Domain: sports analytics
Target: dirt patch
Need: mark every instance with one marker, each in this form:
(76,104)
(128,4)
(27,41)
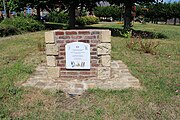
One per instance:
(69,103)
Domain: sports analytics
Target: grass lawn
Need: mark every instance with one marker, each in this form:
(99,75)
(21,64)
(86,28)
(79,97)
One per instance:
(158,74)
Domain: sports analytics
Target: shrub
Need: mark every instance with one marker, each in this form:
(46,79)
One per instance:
(24,24)
(6,30)
(58,17)
(108,11)
(87,20)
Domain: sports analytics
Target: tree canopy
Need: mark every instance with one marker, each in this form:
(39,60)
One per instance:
(109,11)
(128,8)
(71,5)
(160,11)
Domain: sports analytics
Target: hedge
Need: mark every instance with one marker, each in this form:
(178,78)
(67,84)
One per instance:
(24,24)
(17,25)
(87,20)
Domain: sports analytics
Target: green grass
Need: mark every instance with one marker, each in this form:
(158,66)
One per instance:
(19,56)
(108,25)
(158,75)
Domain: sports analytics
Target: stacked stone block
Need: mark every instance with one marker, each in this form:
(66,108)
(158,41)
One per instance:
(100,45)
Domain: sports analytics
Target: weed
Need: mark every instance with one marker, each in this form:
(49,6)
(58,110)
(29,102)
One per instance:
(147,46)
(126,33)
(132,44)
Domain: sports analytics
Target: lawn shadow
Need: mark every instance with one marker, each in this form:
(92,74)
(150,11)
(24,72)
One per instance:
(116,32)
(54,26)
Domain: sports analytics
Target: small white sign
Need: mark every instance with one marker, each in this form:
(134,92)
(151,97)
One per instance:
(77,55)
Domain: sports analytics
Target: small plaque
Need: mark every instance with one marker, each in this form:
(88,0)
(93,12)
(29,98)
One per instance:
(77,55)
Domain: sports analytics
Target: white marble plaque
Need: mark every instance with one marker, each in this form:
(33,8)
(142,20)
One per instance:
(77,55)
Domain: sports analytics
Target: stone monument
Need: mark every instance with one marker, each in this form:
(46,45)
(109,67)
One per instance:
(78,60)
(78,53)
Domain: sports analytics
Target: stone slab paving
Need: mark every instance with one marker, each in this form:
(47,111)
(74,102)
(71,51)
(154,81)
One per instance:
(121,78)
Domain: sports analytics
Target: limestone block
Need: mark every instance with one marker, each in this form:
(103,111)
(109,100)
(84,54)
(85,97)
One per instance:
(104,72)
(52,49)
(106,60)
(105,36)
(53,72)
(51,61)
(114,65)
(104,48)
(49,37)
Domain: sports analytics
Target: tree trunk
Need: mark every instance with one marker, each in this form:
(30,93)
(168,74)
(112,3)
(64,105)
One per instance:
(72,16)
(8,12)
(127,16)
(166,20)
(157,21)
(152,21)
(38,13)
(174,21)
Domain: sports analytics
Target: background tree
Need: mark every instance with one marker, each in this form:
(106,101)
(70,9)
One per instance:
(166,12)
(160,11)
(175,10)
(39,5)
(73,4)
(108,11)
(128,9)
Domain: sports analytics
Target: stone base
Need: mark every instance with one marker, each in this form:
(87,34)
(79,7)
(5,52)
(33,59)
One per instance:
(120,78)
(98,46)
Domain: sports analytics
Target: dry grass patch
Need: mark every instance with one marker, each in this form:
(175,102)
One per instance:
(32,101)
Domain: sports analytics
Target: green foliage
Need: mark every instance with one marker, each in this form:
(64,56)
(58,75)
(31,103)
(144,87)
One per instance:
(24,24)
(87,20)
(108,11)
(175,7)
(58,17)
(17,25)
(12,4)
(126,33)
(6,30)
(159,11)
